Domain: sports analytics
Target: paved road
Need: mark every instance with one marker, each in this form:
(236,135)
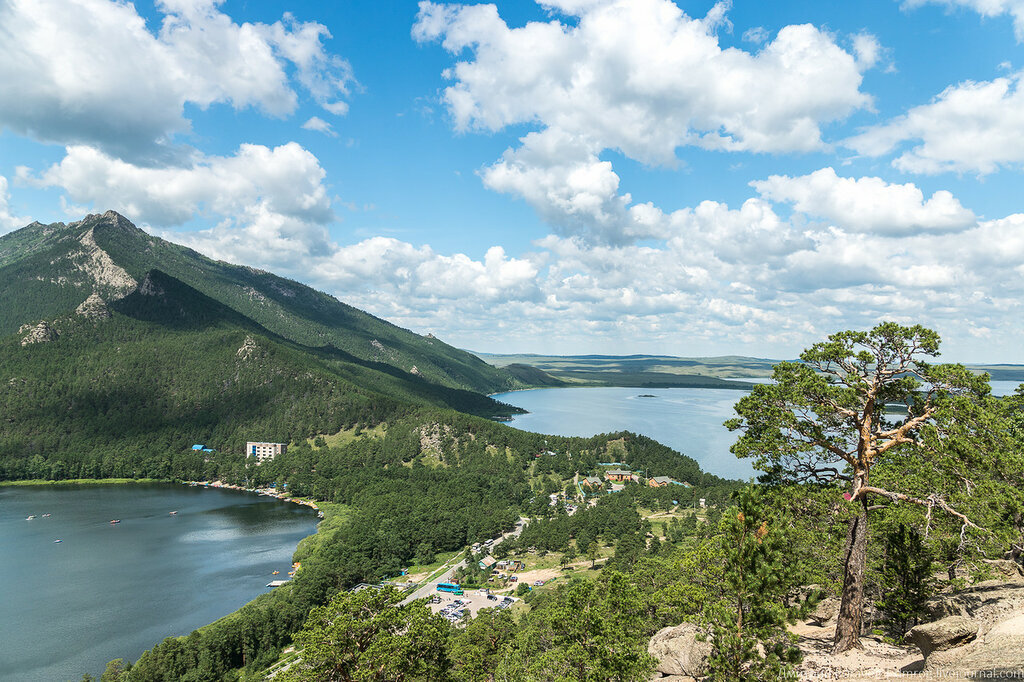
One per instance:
(430,588)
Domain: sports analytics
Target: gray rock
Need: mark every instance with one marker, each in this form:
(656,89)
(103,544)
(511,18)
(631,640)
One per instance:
(826,610)
(40,333)
(948,633)
(987,602)
(93,308)
(679,652)
(994,658)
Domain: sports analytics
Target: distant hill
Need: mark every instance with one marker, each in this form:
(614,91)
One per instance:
(46,270)
(653,371)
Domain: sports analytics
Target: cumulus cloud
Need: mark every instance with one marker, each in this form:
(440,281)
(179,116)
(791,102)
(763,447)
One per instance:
(91,71)
(644,78)
(8,221)
(868,204)
(267,200)
(639,77)
(986,8)
(319,125)
(969,127)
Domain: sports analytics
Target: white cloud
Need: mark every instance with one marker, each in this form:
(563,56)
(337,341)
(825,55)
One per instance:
(969,127)
(867,204)
(8,221)
(319,125)
(91,71)
(757,35)
(636,76)
(643,77)
(275,197)
(986,8)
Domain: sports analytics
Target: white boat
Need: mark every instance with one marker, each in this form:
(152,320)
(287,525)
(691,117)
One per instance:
(58,541)
(30,517)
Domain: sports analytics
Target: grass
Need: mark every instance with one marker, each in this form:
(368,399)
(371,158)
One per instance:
(348,435)
(431,569)
(84,481)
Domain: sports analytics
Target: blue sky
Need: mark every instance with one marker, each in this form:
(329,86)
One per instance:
(573,176)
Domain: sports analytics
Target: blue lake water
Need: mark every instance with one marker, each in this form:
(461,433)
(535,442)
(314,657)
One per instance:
(686,419)
(112,591)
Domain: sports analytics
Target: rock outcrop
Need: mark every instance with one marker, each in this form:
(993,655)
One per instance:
(947,633)
(39,333)
(93,308)
(986,602)
(248,349)
(679,652)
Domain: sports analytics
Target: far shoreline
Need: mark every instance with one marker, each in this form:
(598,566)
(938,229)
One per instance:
(85,481)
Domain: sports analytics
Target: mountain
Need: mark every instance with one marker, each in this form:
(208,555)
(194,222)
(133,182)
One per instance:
(46,270)
(109,369)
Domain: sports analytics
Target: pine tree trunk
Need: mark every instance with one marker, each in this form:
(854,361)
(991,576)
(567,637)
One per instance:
(851,608)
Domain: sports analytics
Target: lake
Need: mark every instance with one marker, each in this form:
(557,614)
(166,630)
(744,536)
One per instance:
(686,419)
(112,591)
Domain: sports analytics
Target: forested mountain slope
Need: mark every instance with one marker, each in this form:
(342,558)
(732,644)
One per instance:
(124,389)
(47,270)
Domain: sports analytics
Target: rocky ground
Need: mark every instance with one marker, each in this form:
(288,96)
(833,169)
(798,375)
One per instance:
(976,633)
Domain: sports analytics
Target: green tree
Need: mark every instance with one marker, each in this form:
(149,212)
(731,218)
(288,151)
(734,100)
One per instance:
(749,638)
(589,631)
(905,579)
(370,636)
(476,649)
(592,552)
(116,671)
(824,419)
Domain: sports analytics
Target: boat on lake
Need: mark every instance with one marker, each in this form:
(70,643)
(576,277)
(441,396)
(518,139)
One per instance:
(58,541)
(113,521)
(172,513)
(30,517)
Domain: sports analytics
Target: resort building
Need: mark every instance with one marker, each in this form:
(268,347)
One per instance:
(618,475)
(660,482)
(591,482)
(264,452)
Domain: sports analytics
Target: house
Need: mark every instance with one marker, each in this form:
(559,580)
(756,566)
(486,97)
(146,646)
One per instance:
(591,482)
(198,446)
(264,452)
(618,475)
(660,481)
(487,562)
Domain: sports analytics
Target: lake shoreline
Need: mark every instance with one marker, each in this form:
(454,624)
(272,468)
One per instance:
(84,481)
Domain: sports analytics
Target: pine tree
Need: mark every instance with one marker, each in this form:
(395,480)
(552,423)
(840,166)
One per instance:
(760,580)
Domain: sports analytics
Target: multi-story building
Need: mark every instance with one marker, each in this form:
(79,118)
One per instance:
(264,452)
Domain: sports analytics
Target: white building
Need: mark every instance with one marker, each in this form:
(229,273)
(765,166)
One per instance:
(264,452)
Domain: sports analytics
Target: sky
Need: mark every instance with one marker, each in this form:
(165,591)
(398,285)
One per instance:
(562,177)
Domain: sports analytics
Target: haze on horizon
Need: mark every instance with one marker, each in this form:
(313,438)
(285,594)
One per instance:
(567,177)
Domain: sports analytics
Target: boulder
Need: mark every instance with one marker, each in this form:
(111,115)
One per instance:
(948,633)
(826,610)
(679,652)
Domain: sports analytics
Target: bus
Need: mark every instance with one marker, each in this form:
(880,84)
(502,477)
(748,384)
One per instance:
(454,588)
